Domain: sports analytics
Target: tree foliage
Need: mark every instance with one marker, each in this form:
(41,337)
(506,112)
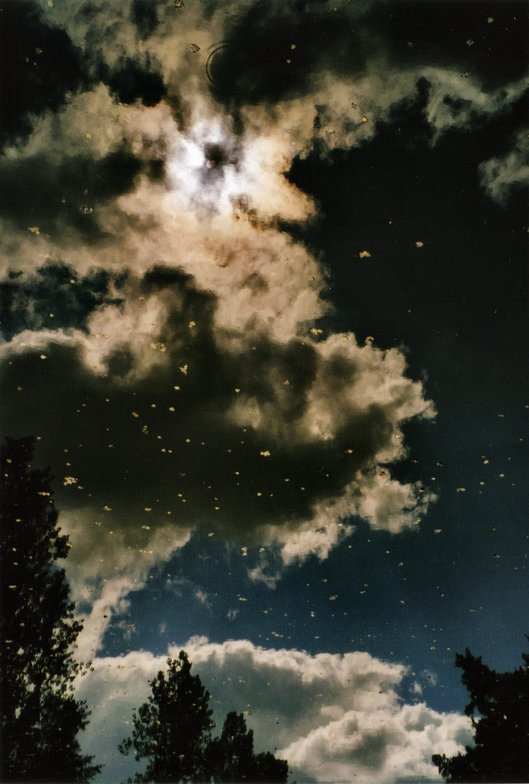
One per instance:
(232,757)
(499,708)
(40,715)
(172,730)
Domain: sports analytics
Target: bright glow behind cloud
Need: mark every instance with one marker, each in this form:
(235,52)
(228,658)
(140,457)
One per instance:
(210,320)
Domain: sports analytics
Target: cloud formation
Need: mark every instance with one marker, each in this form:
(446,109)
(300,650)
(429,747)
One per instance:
(175,339)
(331,716)
(499,176)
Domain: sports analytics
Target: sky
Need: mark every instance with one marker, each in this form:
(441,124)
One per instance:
(264,307)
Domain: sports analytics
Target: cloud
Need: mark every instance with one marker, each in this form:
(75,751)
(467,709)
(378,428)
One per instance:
(457,101)
(41,66)
(197,395)
(185,374)
(190,424)
(53,298)
(106,564)
(499,176)
(332,716)
(382,746)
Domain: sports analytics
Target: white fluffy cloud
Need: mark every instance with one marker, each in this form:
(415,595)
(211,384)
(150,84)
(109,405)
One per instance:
(333,717)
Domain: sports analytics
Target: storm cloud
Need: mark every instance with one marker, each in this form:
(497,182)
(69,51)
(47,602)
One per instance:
(175,363)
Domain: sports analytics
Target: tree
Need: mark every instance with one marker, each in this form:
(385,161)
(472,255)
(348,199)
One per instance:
(232,757)
(172,730)
(40,715)
(499,708)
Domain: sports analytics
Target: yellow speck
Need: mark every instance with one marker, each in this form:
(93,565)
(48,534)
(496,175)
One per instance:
(34,229)
(364,254)
(265,453)
(183,369)
(364,119)
(419,244)
(135,414)
(43,356)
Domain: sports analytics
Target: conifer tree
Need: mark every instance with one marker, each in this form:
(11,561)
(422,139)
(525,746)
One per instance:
(499,709)
(40,715)
(172,731)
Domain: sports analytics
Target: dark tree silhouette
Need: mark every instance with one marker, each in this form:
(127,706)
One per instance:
(40,715)
(499,708)
(232,757)
(172,730)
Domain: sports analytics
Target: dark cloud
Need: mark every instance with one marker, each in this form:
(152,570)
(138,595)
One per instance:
(39,65)
(37,191)
(275,51)
(55,297)
(145,17)
(168,441)
(132,80)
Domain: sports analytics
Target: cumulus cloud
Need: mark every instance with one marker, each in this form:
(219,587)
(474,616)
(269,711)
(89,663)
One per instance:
(382,746)
(333,717)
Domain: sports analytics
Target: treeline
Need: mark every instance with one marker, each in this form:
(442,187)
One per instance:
(172,730)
